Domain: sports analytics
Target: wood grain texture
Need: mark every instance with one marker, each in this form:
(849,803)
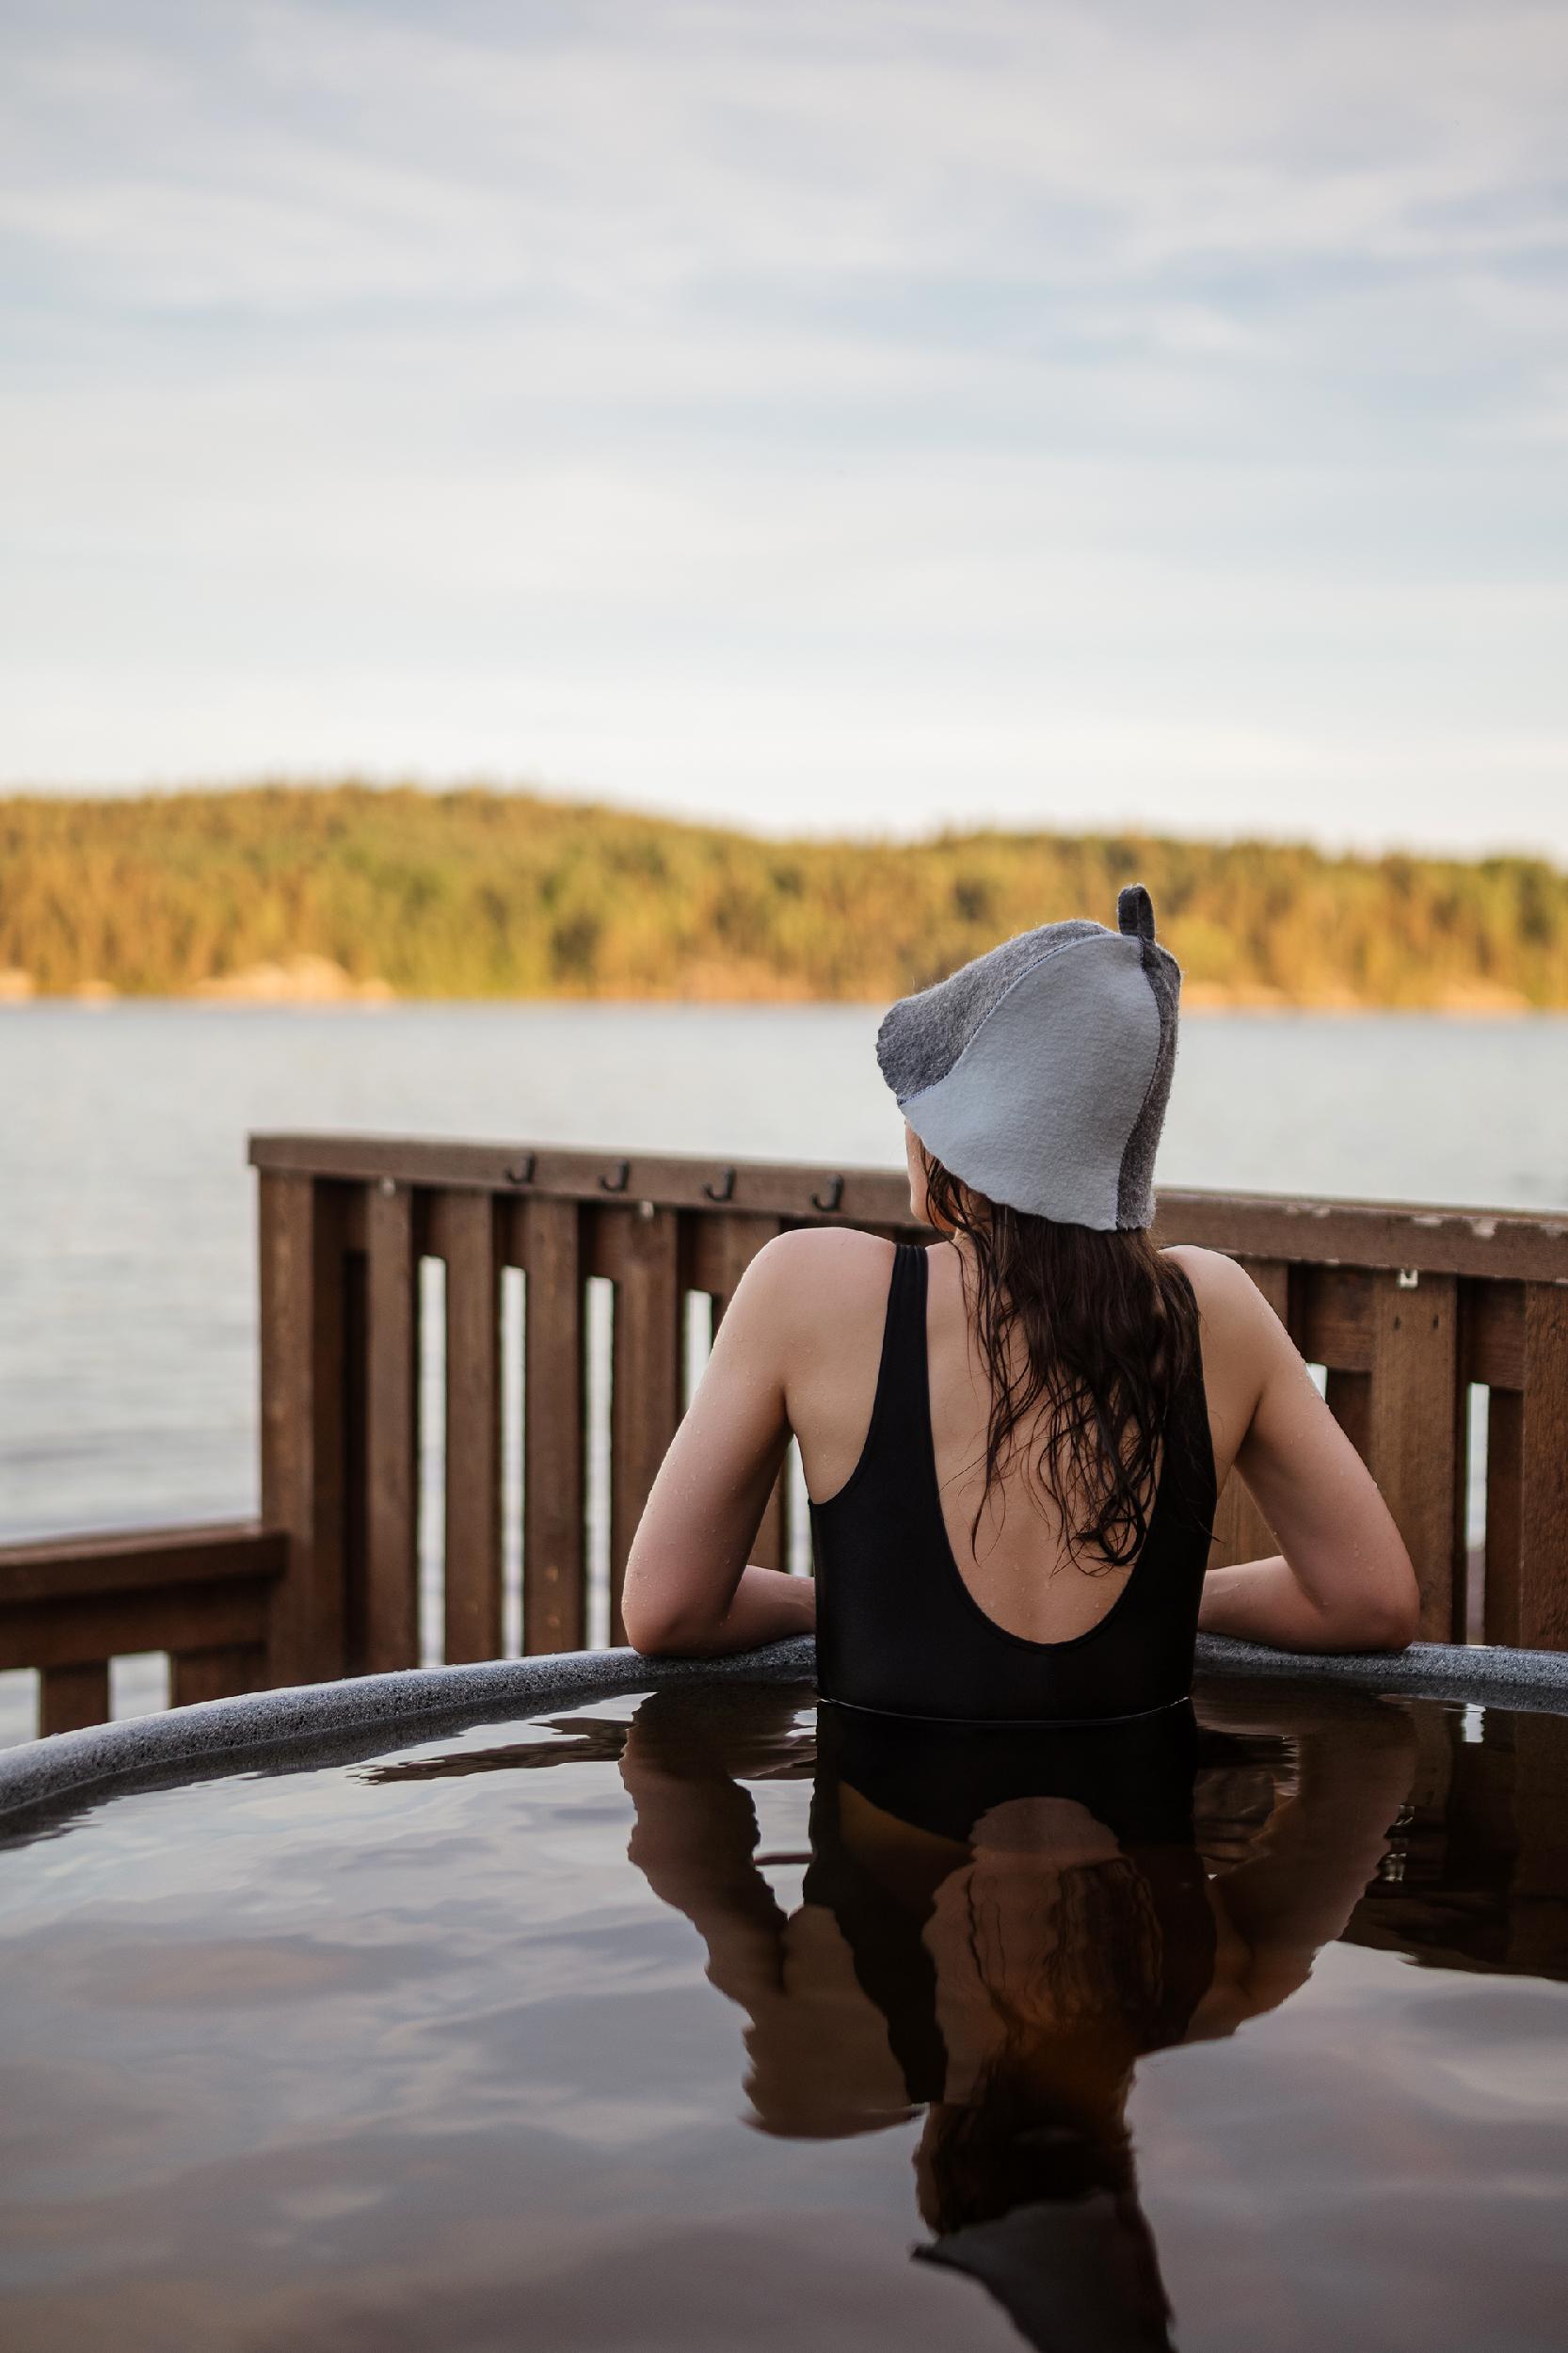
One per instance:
(390,1602)
(87,1633)
(1466,1598)
(1494,1243)
(645,1392)
(215,1674)
(70,1697)
(68,1568)
(300,1268)
(470,1241)
(1412,1427)
(555,1554)
(70,1605)
(1505,1434)
(1544,1471)
(1336,1325)
(1492,1334)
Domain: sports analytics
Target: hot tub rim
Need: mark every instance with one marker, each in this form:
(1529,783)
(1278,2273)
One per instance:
(327,1721)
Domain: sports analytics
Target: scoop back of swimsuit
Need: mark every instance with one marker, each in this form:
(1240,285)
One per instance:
(898,1630)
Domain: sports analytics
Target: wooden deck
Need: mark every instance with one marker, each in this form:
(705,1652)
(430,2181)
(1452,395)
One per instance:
(1407,1308)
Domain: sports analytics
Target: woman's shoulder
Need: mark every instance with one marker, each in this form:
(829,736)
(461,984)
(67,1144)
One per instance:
(1223,1287)
(1240,1331)
(812,1277)
(834,1261)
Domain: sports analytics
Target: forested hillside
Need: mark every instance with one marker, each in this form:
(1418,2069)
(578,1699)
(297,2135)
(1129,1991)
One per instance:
(496,894)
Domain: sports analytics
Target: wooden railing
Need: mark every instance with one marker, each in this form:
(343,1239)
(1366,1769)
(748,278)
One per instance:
(1407,1310)
(201,1594)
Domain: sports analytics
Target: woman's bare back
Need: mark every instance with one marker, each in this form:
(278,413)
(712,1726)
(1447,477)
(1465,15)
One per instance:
(1015,1568)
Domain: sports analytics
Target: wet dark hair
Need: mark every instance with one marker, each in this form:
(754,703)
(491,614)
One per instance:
(1111,1332)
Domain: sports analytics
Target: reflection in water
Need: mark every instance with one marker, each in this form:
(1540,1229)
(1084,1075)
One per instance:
(996,1925)
(993,1928)
(1027,1917)
(1477,1874)
(399,2051)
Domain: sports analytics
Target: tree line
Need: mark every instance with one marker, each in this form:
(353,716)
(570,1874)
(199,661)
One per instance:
(478,893)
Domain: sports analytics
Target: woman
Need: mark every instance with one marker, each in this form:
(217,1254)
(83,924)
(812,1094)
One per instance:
(1014,1440)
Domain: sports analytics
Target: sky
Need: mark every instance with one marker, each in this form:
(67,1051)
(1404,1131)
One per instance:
(821,415)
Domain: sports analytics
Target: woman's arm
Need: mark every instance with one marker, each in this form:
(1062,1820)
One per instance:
(1342,1579)
(689,1591)
(820,2062)
(694,1841)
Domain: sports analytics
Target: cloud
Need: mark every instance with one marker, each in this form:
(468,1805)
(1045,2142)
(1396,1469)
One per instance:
(299,155)
(916,369)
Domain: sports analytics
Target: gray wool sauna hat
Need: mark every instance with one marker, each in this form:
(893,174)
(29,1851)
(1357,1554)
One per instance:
(1039,1074)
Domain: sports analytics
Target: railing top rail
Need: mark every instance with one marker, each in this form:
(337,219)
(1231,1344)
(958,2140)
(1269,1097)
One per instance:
(1506,1244)
(98,1562)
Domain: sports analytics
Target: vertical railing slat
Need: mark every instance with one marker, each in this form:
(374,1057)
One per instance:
(391,1439)
(70,1697)
(644,1382)
(554,1558)
(219,1674)
(300,1268)
(1412,1450)
(1543,1545)
(1505,1430)
(473,1590)
(1469,1567)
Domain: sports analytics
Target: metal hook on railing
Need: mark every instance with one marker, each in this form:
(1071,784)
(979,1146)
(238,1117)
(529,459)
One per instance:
(835,1194)
(521,1172)
(723,1191)
(618,1182)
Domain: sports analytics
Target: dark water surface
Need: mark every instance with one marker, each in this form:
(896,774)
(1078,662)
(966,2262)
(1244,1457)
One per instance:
(1249,2031)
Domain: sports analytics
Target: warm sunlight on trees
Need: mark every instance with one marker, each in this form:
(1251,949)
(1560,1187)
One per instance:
(495,895)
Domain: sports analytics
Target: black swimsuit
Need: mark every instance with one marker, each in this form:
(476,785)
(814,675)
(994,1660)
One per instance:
(898,1630)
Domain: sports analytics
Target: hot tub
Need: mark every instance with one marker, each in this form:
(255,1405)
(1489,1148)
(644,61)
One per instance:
(605,2003)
